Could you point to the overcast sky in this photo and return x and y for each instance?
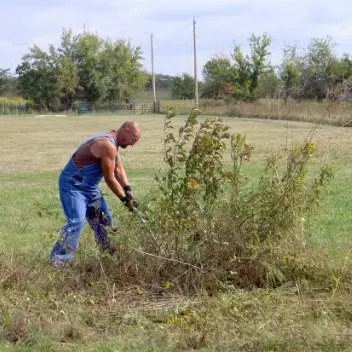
(220, 23)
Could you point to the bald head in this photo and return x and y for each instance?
(128, 134)
(132, 126)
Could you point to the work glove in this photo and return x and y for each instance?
(128, 199)
(129, 195)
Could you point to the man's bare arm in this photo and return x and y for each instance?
(120, 173)
(107, 153)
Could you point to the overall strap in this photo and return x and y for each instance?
(111, 138)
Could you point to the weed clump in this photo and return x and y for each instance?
(216, 225)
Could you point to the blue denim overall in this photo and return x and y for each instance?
(82, 199)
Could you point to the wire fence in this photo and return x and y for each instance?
(12, 109)
(113, 108)
(337, 113)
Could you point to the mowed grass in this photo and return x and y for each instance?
(48, 310)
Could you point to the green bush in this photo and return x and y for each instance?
(224, 226)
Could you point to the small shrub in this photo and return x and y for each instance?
(214, 219)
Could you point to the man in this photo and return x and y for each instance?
(80, 196)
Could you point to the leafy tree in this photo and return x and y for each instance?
(183, 87)
(86, 54)
(315, 70)
(345, 66)
(163, 82)
(8, 83)
(4, 76)
(49, 79)
(85, 66)
(68, 70)
(38, 77)
(250, 67)
(317, 73)
(340, 76)
(241, 73)
(269, 84)
(218, 74)
(290, 72)
(68, 81)
(120, 72)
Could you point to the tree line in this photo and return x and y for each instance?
(315, 72)
(84, 67)
(87, 67)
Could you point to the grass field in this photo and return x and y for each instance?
(42, 309)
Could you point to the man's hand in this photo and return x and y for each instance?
(128, 192)
(128, 199)
(130, 204)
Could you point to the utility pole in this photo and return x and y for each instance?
(195, 65)
(153, 75)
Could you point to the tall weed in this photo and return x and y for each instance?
(214, 218)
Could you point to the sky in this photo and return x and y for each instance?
(219, 25)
